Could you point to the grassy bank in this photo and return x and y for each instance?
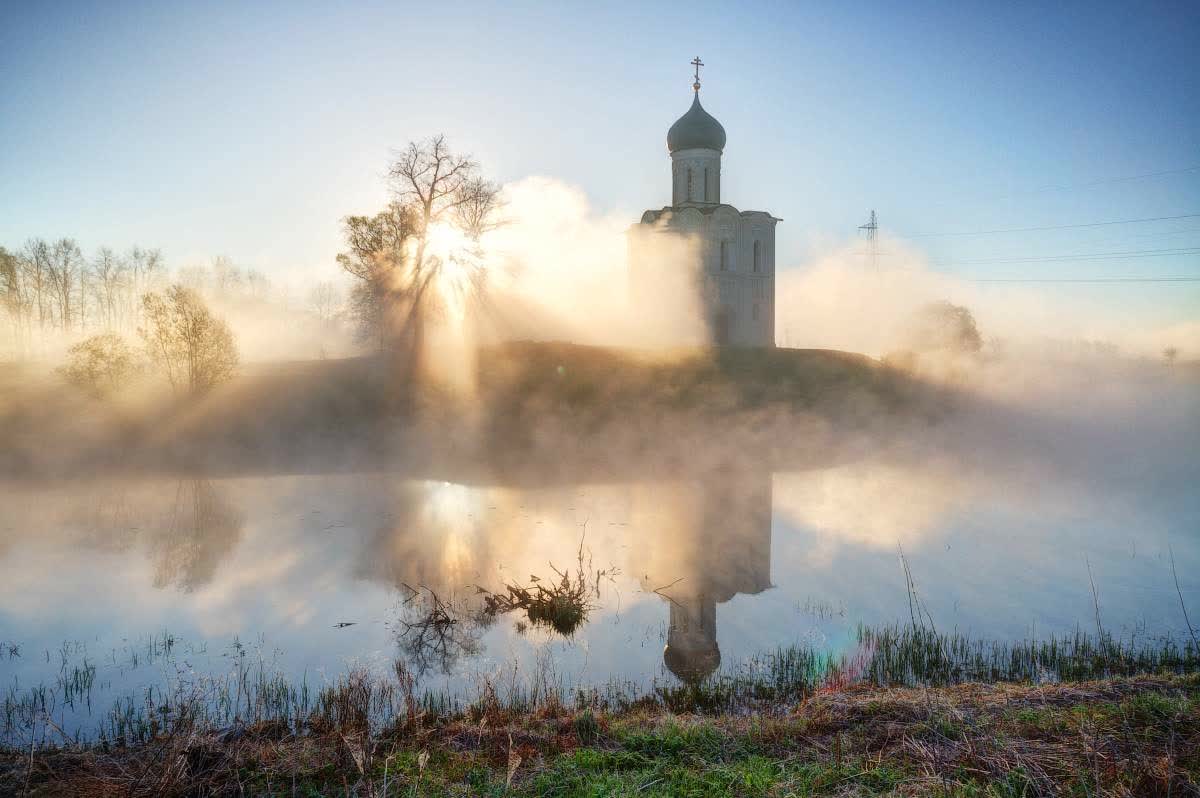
(909, 711)
(605, 412)
(1137, 736)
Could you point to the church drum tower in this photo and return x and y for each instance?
(735, 250)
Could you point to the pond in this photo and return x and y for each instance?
(112, 586)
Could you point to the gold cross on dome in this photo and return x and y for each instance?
(697, 63)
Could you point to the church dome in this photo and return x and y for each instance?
(692, 665)
(696, 129)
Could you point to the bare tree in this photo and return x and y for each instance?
(37, 272)
(227, 278)
(438, 186)
(193, 347)
(325, 300)
(15, 298)
(146, 272)
(476, 214)
(109, 275)
(65, 272)
(388, 252)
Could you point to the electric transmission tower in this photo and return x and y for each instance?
(872, 228)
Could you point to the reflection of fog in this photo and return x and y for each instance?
(203, 529)
(698, 546)
(186, 528)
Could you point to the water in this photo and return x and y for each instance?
(151, 579)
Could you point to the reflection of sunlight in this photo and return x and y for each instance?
(450, 511)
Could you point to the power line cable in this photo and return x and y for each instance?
(1085, 279)
(1126, 179)
(1057, 226)
(1137, 253)
(1075, 186)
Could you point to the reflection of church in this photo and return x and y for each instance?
(735, 250)
(700, 545)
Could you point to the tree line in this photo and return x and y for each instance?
(48, 286)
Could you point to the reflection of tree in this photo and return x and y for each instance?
(436, 634)
(561, 604)
(203, 530)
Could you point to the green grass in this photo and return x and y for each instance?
(1136, 737)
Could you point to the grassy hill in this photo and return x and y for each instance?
(539, 404)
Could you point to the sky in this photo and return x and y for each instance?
(250, 130)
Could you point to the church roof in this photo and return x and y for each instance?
(696, 129)
(664, 214)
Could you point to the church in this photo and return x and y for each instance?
(733, 256)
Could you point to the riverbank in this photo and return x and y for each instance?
(1128, 736)
(532, 410)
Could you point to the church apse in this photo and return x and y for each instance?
(732, 268)
(701, 544)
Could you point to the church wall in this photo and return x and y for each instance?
(704, 164)
(734, 292)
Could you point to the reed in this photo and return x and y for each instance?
(252, 698)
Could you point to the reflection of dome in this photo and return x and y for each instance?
(696, 129)
(692, 653)
(692, 665)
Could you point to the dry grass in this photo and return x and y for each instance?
(1131, 737)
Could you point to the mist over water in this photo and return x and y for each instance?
(1005, 515)
(734, 502)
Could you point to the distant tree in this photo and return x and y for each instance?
(36, 262)
(99, 365)
(194, 348)
(15, 299)
(325, 301)
(438, 187)
(389, 254)
(943, 326)
(146, 273)
(374, 254)
(227, 278)
(12, 285)
(66, 283)
(478, 208)
(109, 274)
(1170, 354)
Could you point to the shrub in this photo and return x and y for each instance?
(99, 365)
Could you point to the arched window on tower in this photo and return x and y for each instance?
(724, 256)
(689, 185)
(706, 184)
(757, 256)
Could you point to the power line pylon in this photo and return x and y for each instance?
(872, 228)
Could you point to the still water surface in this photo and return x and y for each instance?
(314, 574)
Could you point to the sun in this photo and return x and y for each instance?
(460, 264)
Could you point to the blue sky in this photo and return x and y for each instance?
(250, 129)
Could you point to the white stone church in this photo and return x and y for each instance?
(736, 249)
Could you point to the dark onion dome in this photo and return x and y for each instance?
(696, 130)
(692, 664)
